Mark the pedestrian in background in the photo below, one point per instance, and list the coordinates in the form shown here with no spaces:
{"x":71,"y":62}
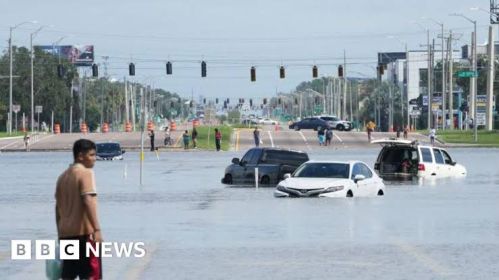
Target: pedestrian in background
{"x":194,"y":137}
{"x":151,"y":136}
{"x":433,"y":135}
{"x":186,"y":137}
{"x":406,"y":131}
{"x":321,"y":135}
{"x":218,"y":139}
{"x":26,"y":141}
{"x":329,"y":136}
{"x":370,"y":128}
{"x":76,"y":212}
{"x":256,"y":136}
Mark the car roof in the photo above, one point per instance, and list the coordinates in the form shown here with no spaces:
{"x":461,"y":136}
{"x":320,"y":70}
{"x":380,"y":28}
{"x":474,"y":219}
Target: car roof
{"x":394,"y":142}
{"x":109,"y":142}
{"x":336,"y":161}
{"x":277,"y":149}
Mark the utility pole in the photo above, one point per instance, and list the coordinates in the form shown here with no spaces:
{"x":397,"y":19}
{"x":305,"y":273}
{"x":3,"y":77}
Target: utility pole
{"x":451,"y":86}
{"x":344,"y":110}
{"x":430,"y":96}
{"x":490,"y":81}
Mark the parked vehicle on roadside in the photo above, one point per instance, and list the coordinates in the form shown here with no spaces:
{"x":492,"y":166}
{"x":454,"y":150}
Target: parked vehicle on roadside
{"x":310,"y":123}
{"x":337,"y":123}
{"x":331,"y":179}
{"x":268,"y":121}
{"x":401,"y":159}
{"x":272,"y":164}
{"x":109,"y":151}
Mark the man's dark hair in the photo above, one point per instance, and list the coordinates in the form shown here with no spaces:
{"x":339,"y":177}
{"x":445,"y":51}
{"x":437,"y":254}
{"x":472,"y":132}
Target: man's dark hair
{"x":83,"y":146}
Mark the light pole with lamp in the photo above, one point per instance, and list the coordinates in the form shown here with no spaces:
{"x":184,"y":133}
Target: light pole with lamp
{"x":474,"y":77}
{"x":32,"y":35}
{"x":10,"y":72}
{"x":430,"y":95}
{"x":444,"y":118}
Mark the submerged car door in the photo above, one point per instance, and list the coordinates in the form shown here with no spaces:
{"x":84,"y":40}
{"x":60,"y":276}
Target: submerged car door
{"x":441,"y":169}
{"x":362,"y":186}
{"x":449,"y":166}
{"x":251,"y":164}
{"x":427,"y":160}
{"x":239,"y":170}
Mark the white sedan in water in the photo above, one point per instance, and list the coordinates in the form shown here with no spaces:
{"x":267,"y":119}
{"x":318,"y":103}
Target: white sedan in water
{"x":331,"y":179}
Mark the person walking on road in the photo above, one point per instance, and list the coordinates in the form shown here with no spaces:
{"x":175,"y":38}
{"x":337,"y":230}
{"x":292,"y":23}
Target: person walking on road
{"x":322,"y":136}
{"x":256,"y":136}
{"x":329,"y":136}
{"x":433,"y":135}
{"x":26,"y":141}
{"x":76,"y":212}
{"x":406,"y":131}
{"x":186,"y":137}
{"x":151,"y":136}
{"x":370,"y":128}
{"x":194,"y":137}
{"x":218,"y":139}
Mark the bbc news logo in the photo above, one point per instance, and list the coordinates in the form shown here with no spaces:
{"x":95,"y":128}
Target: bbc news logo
{"x":70,"y":249}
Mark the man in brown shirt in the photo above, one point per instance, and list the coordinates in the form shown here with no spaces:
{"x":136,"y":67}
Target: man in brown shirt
{"x":76,"y":211}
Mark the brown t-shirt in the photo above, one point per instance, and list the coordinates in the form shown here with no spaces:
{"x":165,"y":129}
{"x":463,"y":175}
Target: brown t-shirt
{"x":72,"y":185}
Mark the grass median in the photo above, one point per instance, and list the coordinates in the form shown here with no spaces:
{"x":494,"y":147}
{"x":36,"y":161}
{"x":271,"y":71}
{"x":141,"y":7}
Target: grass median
{"x":206,"y":137}
{"x":485,"y":138}
{"x":6,"y":134}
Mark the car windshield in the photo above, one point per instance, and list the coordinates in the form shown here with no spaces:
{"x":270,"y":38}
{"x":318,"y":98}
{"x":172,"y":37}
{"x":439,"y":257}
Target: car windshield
{"x":323,"y":170}
{"x":108,"y":148}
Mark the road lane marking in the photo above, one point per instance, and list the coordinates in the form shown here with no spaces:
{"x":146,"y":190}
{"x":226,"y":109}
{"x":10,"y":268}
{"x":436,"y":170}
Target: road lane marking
{"x":336,"y":135}
{"x":271,"y":140}
{"x":423,"y":258}
{"x":305,"y":140}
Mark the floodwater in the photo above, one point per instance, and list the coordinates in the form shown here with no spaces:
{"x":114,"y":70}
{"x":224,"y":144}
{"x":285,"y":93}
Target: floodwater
{"x":196,"y":228}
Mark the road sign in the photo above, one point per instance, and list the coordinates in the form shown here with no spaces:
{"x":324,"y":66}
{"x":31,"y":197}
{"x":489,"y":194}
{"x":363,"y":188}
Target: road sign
{"x":467,"y":74}
{"x":480,"y":118}
{"x":16,"y":108}
{"x":38,"y":109}
{"x":415,"y":113}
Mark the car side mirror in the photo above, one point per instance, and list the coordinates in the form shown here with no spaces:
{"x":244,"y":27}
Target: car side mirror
{"x":235,"y":160}
{"x":122,"y":151}
{"x":358,"y":177}
{"x":453,"y":163}
{"x":286,"y":176}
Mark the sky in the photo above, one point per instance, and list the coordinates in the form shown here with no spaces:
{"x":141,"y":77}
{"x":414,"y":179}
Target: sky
{"x":234,"y":35}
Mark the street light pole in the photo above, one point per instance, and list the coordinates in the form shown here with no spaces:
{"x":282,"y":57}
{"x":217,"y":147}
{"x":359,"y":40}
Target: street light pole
{"x":474,"y":77}
{"x":32,"y":35}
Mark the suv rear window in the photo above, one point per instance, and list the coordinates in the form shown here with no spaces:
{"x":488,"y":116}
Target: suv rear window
{"x":284,"y":157}
{"x":426,"y":153}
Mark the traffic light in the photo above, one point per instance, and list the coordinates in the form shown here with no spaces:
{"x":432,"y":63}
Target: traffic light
{"x":216,"y":100}
{"x":253,"y":74}
{"x":225,"y":104}
{"x":282,"y":72}
{"x":191,"y":104}
{"x":251,"y":102}
{"x":60,"y":71}
{"x":265,"y":101}
{"x":204,"y":100}
{"x":131,"y":69}
{"x":340,"y":71}
{"x":203,"y":69}
{"x":169,"y":69}
{"x":95,"y":70}
{"x":315,"y":71}
{"x":227,"y":100}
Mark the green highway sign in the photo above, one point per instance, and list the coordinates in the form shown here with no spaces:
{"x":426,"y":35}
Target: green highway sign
{"x":467,"y":74}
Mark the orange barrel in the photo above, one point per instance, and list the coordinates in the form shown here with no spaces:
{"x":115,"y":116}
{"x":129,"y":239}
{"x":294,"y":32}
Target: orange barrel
{"x":57,"y":128}
{"x":150,"y":126}
{"x":128,"y":127}
{"x":173,"y":126}
{"x":105,"y":128}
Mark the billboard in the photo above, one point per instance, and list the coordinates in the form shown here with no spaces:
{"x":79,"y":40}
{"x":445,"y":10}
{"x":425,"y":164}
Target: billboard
{"x":78,"y":55}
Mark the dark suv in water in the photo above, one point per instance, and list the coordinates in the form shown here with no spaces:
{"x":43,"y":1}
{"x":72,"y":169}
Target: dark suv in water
{"x":272,"y":164}
{"x":310,"y":123}
{"x":109,"y":151}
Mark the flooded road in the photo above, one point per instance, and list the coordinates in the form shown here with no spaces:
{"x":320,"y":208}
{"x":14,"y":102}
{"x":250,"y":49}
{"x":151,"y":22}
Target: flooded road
{"x":194,"y":227}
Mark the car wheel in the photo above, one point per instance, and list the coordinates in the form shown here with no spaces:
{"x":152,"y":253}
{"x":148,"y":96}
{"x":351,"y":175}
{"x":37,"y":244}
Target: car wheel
{"x":380,"y":193}
{"x":265,"y":180}
{"x":340,"y":127}
{"x":228,"y":179}
{"x":349,"y":193}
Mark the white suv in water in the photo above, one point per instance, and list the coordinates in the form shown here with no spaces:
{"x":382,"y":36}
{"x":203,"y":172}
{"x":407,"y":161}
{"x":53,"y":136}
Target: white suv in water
{"x":403,"y":159}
